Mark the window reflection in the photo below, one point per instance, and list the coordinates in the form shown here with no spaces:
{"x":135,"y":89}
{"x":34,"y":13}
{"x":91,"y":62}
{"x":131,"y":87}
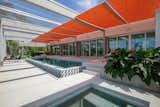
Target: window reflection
{"x":138,"y":41}
{"x":123,"y":42}
{"x":150,"y":40}
{"x":112,"y":43}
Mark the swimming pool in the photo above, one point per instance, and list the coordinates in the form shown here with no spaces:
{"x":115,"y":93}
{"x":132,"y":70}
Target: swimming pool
{"x":91,"y":96}
{"x":57,"y":67}
{"x":59,"y":62}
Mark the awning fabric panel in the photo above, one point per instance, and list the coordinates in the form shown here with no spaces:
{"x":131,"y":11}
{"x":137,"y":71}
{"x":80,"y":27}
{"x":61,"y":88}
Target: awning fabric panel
{"x":43,"y":41}
{"x":48,"y":37}
{"x":135,"y":10}
{"x":73,"y":28}
{"x":102,"y":16}
{"x":51,"y":36}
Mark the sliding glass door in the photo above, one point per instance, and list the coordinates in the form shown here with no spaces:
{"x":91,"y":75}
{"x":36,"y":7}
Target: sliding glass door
{"x":112,"y":43}
{"x":138,"y":41}
{"x":100,"y":47}
{"x":85,"y":48}
{"x":56,"y":50}
{"x":123,"y":42}
{"x":150,"y":40}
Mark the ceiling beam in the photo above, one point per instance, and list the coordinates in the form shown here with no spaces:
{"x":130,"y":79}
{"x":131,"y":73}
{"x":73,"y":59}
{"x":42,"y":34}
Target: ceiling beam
{"x":19,"y":34}
{"x":26,"y":26}
{"x":7,"y":28}
{"x":116,"y":12}
{"x":15,"y":11}
{"x":17,"y":37}
{"x":88,"y":24}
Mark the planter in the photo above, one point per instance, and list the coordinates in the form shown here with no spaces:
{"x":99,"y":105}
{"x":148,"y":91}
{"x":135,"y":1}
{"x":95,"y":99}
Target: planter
{"x":135,"y":82}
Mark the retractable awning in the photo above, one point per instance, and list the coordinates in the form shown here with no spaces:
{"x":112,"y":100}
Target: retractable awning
{"x":134,"y":10}
{"x":108,"y":14}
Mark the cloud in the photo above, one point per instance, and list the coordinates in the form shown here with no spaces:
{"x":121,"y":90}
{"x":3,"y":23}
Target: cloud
{"x":86,"y":4}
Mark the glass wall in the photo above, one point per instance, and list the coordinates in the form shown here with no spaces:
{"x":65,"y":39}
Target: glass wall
{"x":84,"y":48}
{"x":150,"y":40}
{"x":137,"y":41}
{"x":100,"y":47}
{"x":93,"y":49}
{"x":112,"y":43}
{"x":123,"y":42}
{"x":96,"y":47}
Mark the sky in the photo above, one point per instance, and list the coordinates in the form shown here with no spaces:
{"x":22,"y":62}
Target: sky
{"x":80,"y":5}
{"x":77,"y":5}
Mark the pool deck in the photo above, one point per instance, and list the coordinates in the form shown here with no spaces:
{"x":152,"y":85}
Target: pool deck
{"x":22,"y":83}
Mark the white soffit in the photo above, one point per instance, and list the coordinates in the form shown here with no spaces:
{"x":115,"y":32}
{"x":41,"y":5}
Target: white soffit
{"x":55,"y":7}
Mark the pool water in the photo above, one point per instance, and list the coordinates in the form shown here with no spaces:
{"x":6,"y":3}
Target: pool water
{"x":59,"y":62}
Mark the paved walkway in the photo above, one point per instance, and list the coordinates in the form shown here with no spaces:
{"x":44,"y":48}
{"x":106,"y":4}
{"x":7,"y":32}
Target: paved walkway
{"x":22,"y":83}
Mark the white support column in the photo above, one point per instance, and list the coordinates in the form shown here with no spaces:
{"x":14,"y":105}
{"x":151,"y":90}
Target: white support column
{"x":145,"y":41}
{"x":1,"y":44}
{"x":4,"y":44}
{"x":89,"y":47}
{"x":129,"y":42}
{"x":157,"y":38}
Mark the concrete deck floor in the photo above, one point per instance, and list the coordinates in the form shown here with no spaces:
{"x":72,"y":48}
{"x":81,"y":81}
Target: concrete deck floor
{"x":22,"y":83}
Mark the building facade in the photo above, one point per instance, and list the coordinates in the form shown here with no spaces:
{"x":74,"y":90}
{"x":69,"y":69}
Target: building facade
{"x":137,"y":35}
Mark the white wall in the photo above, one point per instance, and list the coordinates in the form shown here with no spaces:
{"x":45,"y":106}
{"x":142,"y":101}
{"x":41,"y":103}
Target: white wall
{"x":2,"y":44}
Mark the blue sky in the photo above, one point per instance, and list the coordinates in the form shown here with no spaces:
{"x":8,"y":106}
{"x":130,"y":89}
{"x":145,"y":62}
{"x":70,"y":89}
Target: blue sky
{"x":77,"y":5}
{"x":80,"y":5}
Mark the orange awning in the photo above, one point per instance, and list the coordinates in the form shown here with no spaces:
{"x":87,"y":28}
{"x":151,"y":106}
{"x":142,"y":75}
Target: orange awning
{"x":103,"y":16}
{"x":51,"y":36}
{"x":73,"y":28}
{"x":135,"y":10}
{"x":43,"y":41}
{"x":48,"y":37}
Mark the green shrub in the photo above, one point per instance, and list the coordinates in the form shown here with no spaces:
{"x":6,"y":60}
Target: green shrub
{"x":143,"y":63}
